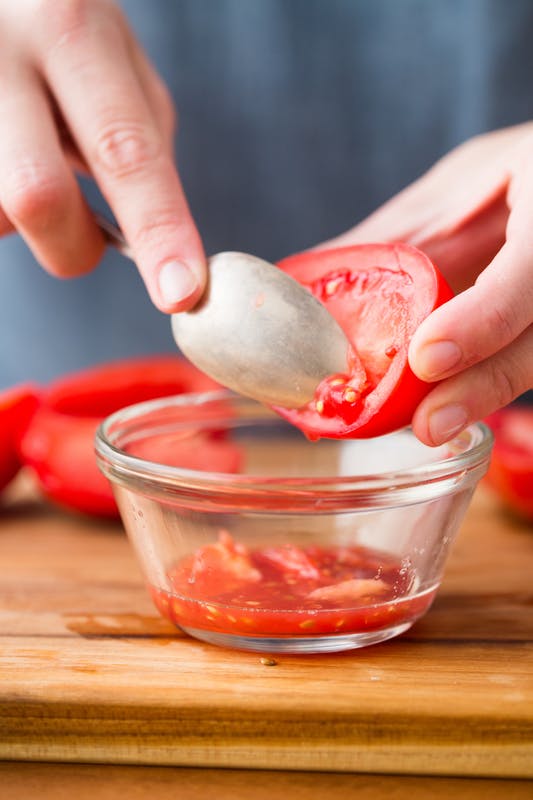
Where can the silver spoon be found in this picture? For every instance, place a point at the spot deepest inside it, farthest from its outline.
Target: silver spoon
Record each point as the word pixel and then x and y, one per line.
pixel 256 330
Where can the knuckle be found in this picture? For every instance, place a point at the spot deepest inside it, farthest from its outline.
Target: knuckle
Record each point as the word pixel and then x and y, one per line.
pixel 500 325
pixel 160 227
pixel 503 382
pixel 65 20
pixel 123 149
pixel 33 194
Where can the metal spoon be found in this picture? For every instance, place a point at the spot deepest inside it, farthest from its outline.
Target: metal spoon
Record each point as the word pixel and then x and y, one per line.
pixel 256 330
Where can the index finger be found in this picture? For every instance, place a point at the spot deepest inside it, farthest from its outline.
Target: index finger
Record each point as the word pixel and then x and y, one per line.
pixel 94 82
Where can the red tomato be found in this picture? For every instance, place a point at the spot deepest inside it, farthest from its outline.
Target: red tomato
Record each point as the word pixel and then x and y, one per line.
pixel 511 468
pixel 379 294
pixel 59 442
pixel 16 408
pixel 289 590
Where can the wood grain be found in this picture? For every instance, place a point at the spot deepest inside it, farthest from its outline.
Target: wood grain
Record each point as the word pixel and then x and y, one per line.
pixel 90 673
pixel 63 782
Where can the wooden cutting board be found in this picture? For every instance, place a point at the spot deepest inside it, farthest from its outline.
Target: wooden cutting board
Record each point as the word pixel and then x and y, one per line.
pixel 90 673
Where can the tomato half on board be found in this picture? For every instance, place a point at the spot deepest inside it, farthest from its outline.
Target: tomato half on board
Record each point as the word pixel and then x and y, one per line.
pixel 16 408
pixel 59 441
pixel 379 294
pixel 510 472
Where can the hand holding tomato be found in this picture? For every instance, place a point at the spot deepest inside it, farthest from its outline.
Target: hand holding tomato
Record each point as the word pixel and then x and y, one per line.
pixel 78 92
pixel 472 214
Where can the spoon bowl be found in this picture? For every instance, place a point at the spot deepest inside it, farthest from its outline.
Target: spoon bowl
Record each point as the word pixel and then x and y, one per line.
pixel 255 330
pixel 259 332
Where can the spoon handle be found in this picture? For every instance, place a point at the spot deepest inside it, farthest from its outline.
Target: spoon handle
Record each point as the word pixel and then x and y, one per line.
pixel 112 234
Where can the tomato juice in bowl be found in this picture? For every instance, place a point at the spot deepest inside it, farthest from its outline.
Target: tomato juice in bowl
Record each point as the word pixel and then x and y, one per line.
pixel 285 545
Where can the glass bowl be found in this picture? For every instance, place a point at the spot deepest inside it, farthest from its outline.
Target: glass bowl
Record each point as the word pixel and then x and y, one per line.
pixel 251 536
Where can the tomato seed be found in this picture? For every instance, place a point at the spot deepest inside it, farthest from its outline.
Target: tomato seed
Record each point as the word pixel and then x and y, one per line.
pixel 332 286
pixel 269 662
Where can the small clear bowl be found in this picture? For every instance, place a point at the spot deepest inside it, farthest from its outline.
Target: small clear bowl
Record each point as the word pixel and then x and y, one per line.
pixel 250 536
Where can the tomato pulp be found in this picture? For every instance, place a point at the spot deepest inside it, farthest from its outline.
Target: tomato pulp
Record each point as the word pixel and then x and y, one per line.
pixel 290 590
pixel 510 472
pixel 379 294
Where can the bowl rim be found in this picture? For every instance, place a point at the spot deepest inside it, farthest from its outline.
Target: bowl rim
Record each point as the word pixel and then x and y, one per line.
pixel 462 467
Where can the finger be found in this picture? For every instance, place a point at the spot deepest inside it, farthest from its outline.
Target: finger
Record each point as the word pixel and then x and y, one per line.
pixel 483 319
pixel 99 94
pixel 463 254
pixel 156 95
pixel 155 91
pixel 5 225
pixel 476 392
pixel 38 192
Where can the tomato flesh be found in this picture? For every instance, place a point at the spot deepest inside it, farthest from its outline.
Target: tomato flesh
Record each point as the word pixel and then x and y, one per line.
pixel 510 472
pixel 379 294
pixel 289 590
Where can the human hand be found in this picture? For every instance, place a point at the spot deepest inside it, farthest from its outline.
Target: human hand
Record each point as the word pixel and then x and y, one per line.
pixel 472 213
pixel 77 91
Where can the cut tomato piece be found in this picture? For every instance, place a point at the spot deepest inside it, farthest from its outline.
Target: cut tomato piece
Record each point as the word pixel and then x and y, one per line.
pixel 223 566
pixel 379 294
pixel 59 441
pixel 17 405
pixel 510 472
pixel 353 589
pixel 290 561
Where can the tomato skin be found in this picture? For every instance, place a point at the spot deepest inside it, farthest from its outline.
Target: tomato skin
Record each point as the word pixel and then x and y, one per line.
pixel 418 288
pixel 17 406
pixel 58 443
pixel 59 449
pixel 510 473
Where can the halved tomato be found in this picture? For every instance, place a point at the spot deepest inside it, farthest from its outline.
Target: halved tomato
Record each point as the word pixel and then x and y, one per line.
pixel 379 294
pixel 16 408
pixel 59 441
pixel 510 472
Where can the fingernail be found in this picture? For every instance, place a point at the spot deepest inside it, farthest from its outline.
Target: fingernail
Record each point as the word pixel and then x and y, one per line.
pixel 437 358
pixel 176 282
pixel 446 422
